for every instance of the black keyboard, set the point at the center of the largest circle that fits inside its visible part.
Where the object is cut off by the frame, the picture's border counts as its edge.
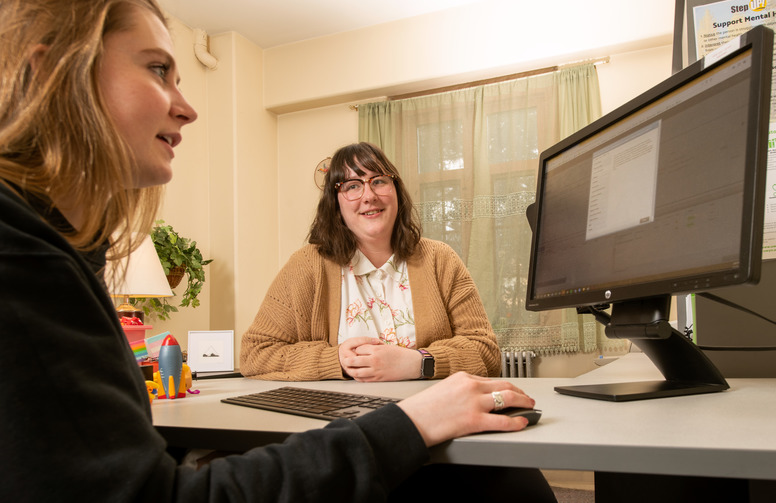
(315, 403)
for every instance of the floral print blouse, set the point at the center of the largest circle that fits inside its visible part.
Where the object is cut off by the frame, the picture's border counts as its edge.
(378, 302)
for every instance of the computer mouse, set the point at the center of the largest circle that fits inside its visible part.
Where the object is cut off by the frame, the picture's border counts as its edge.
(532, 415)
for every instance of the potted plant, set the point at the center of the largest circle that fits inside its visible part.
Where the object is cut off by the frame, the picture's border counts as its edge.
(179, 257)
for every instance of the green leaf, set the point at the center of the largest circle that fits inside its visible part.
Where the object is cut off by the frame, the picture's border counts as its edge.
(175, 250)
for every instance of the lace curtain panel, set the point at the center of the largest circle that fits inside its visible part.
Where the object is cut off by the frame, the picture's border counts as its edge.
(470, 159)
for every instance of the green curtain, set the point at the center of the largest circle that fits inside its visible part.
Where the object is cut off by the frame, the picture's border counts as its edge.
(470, 158)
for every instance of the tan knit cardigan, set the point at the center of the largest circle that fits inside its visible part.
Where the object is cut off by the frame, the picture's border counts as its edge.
(294, 334)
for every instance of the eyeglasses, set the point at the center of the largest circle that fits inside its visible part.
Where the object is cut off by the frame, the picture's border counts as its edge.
(353, 189)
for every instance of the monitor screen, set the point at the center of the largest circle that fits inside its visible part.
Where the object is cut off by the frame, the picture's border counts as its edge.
(662, 196)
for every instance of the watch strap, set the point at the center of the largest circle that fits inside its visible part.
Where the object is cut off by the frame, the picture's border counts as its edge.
(426, 364)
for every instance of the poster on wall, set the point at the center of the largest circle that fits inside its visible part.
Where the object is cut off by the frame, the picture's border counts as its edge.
(703, 26)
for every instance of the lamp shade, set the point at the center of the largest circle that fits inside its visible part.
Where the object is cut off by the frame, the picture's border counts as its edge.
(144, 274)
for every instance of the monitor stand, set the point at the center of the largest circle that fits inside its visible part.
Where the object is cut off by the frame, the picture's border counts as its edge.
(687, 370)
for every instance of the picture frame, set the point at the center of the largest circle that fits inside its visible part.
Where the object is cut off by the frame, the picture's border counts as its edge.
(211, 350)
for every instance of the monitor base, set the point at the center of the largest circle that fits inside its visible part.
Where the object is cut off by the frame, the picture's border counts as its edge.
(687, 370)
(640, 390)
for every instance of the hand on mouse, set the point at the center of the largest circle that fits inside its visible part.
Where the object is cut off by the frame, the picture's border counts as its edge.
(460, 405)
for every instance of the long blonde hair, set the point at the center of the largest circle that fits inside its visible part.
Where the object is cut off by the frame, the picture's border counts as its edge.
(56, 139)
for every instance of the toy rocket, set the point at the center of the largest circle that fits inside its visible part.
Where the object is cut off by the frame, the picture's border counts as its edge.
(170, 367)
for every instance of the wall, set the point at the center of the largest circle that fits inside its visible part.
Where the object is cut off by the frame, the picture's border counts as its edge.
(470, 42)
(244, 187)
(187, 201)
(304, 139)
(631, 73)
(224, 192)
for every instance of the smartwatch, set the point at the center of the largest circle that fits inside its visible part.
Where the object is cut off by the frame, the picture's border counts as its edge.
(426, 364)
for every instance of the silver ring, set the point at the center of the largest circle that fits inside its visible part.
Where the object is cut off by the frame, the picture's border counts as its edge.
(498, 400)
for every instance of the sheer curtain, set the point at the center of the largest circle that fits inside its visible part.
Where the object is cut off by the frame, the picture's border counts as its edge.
(469, 158)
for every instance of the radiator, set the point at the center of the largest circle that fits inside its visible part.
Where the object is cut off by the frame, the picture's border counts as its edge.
(517, 363)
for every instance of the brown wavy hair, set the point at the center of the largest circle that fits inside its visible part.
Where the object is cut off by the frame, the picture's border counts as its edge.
(56, 138)
(334, 239)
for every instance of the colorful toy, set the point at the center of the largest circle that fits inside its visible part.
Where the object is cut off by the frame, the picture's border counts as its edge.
(139, 349)
(174, 376)
(153, 390)
(185, 384)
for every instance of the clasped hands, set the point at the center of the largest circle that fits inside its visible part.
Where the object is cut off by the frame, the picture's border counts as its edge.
(367, 359)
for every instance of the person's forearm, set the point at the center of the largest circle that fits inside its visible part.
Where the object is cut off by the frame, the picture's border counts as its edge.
(346, 461)
(473, 355)
(300, 361)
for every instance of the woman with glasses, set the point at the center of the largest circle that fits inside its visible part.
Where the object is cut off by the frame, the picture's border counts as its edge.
(368, 298)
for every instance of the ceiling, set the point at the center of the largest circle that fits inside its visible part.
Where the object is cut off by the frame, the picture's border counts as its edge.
(269, 23)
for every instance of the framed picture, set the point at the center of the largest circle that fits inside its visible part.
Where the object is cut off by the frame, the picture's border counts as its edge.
(211, 351)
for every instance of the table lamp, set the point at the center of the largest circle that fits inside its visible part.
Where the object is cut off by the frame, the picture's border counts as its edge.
(144, 278)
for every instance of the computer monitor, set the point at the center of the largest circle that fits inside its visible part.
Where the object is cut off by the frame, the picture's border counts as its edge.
(662, 196)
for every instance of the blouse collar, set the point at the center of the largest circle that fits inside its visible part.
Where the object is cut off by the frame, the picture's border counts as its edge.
(361, 266)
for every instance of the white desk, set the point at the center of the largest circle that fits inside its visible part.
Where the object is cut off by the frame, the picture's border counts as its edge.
(729, 434)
